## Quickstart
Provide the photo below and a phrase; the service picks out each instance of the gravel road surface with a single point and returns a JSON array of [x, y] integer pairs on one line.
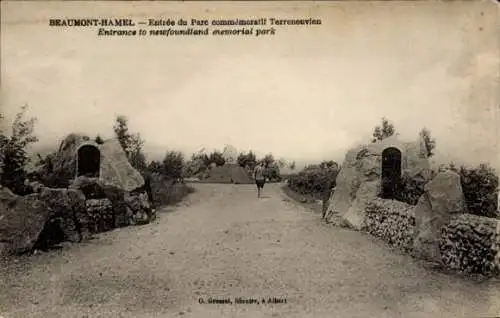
[[224, 243]]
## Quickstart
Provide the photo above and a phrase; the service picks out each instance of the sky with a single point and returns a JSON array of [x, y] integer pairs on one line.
[[307, 93]]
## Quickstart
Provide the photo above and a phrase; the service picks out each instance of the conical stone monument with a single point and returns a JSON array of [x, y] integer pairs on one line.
[[230, 154]]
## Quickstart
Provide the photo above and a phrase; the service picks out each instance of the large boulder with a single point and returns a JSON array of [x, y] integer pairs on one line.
[[22, 219], [363, 164], [116, 170], [445, 193], [348, 182], [426, 241], [442, 199], [355, 216], [67, 208]]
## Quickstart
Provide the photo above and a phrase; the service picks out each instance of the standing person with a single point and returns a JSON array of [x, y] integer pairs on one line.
[[258, 175]]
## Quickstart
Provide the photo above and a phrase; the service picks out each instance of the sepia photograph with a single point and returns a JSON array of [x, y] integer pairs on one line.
[[250, 159]]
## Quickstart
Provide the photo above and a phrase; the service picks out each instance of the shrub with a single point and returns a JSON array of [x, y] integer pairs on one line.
[[314, 181], [282, 163], [166, 191], [272, 173], [385, 130], [14, 154], [410, 189], [172, 166], [201, 157], [480, 188], [138, 160], [311, 167], [217, 158], [131, 143], [194, 168], [44, 172], [430, 143], [268, 160], [155, 167], [247, 160], [328, 165], [98, 139]]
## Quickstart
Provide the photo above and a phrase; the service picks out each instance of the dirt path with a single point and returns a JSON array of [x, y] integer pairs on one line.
[[223, 242]]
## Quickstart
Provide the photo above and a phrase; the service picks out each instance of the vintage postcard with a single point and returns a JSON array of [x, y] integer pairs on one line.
[[249, 159]]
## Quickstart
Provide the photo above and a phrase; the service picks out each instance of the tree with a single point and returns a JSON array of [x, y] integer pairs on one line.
[[155, 167], [268, 160], [199, 163], [201, 156], [121, 131], [480, 189], [247, 159], [292, 165], [272, 172], [241, 160], [312, 167], [217, 158], [330, 164], [385, 130], [430, 143], [282, 163], [131, 143], [14, 151], [138, 160], [173, 163], [99, 140], [251, 159]]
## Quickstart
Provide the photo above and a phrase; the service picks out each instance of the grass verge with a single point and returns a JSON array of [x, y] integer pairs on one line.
[[305, 200]]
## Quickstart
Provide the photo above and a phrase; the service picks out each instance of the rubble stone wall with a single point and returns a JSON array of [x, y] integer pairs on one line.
[[471, 243], [100, 215], [468, 243], [392, 221]]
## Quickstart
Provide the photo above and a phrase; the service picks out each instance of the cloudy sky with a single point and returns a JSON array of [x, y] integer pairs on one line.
[[306, 93]]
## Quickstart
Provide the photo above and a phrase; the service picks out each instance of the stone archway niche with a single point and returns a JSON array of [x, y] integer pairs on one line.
[[391, 172], [88, 161]]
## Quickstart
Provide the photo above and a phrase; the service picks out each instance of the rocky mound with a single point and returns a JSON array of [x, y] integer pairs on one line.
[[22, 219], [84, 188], [360, 178], [230, 173], [112, 164]]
